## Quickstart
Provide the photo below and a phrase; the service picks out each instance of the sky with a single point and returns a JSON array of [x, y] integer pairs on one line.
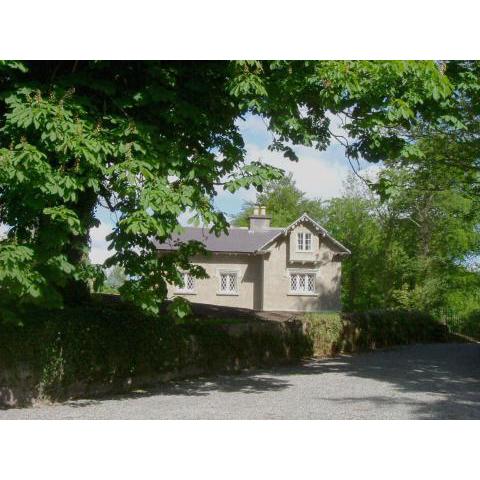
[[318, 174]]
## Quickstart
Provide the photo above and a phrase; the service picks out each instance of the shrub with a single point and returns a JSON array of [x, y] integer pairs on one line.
[[348, 332], [384, 328], [469, 325], [326, 331], [111, 343], [107, 343]]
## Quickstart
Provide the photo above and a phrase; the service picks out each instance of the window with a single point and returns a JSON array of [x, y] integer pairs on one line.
[[302, 283], [228, 283], [299, 241], [304, 241], [188, 283], [308, 241]]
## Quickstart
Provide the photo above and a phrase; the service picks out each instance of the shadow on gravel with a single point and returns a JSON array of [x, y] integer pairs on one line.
[[248, 383], [448, 376], [450, 372]]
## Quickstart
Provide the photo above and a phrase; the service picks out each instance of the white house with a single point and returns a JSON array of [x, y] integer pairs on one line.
[[296, 268]]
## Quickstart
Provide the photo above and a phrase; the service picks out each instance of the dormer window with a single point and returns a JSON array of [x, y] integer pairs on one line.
[[304, 242]]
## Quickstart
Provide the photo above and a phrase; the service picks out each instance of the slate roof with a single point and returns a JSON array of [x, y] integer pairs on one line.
[[243, 240], [239, 240]]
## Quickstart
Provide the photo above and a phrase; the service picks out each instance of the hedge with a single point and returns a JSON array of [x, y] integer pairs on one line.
[[112, 343], [333, 333], [468, 325], [98, 344]]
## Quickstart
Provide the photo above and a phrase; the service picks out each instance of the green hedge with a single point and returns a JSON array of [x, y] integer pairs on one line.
[[332, 333], [109, 343], [468, 325]]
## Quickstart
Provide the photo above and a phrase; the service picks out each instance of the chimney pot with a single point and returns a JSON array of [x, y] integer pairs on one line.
[[259, 220]]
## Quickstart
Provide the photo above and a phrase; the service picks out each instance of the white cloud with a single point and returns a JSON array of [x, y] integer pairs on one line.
[[98, 255], [184, 218], [371, 172], [317, 173], [337, 121], [98, 251]]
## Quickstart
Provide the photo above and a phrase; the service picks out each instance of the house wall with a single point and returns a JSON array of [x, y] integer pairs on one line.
[[298, 255], [249, 281], [264, 280], [277, 267]]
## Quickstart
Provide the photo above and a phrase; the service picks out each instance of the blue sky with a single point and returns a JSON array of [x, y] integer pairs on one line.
[[318, 174]]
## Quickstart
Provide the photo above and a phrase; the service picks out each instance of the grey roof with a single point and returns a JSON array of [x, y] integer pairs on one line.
[[239, 240], [243, 240]]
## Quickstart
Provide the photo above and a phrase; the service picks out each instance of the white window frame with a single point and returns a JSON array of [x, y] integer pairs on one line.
[[305, 291], [299, 241], [185, 290], [302, 242], [228, 292]]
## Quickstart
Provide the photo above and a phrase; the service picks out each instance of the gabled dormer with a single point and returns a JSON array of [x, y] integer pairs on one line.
[[309, 242]]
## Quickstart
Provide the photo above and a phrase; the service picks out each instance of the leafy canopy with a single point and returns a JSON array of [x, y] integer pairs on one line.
[[149, 140], [411, 247]]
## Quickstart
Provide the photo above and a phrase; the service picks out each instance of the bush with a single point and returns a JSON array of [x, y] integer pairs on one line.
[[326, 331], [108, 343], [349, 332], [114, 345], [384, 328], [469, 325]]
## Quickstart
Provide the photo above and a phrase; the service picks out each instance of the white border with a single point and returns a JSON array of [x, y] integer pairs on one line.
[[310, 250], [216, 29], [207, 450], [185, 291]]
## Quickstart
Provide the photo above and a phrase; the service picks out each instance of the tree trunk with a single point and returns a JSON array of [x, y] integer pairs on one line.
[[78, 291]]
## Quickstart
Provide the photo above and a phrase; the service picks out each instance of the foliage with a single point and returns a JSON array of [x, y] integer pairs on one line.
[[451, 144], [114, 345], [332, 333], [469, 325], [353, 220], [107, 342], [325, 329], [284, 201], [411, 238], [114, 278], [384, 328], [150, 140]]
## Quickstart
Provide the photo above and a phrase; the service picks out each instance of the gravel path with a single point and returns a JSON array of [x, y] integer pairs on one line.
[[414, 382]]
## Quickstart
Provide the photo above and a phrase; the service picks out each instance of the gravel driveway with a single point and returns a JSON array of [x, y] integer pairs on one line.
[[439, 381]]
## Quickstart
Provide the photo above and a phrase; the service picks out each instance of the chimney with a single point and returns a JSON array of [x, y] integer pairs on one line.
[[259, 220]]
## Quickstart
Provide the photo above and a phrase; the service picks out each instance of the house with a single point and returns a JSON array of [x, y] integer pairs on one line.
[[297, 268]]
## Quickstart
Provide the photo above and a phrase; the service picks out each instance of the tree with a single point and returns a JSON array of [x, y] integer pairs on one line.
[[436, 222], [115, 278], [283, 201], [411, 238], [353, 219], [150, 139]]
